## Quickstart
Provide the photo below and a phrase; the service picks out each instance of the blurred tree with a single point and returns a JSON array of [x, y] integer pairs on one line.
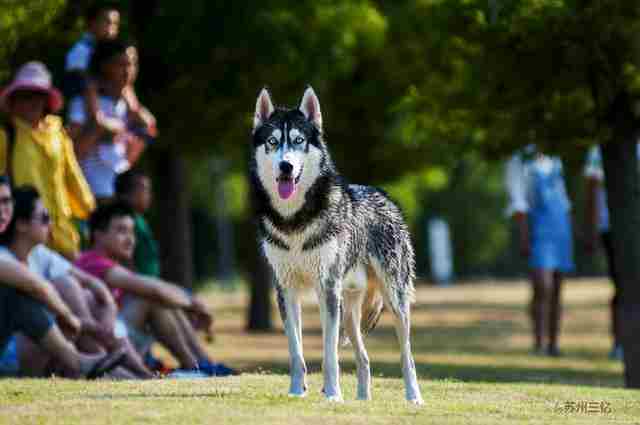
[[564, 74]]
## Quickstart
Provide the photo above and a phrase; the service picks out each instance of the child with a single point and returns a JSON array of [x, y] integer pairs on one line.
[[104, 152], [539, 203], [134, 188]]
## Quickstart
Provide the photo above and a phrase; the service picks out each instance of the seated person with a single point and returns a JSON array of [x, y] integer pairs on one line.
[[23, 240], [31, 306], [151, 308]]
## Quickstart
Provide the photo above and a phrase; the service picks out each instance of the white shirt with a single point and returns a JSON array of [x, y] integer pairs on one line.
[[518, 179], [42, 261], [109, 156], [593, 169]]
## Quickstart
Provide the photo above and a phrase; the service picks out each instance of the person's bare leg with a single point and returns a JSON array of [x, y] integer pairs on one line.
[[542, 282], [138, 313], [191, 336], [555, 312], [133, 361], [32, 358], [169, 333], [534, 310], [65, 353], [79, 302]]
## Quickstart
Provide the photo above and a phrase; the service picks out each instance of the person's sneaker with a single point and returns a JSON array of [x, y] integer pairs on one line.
[[617, 353], [216, 369], [187, 374]]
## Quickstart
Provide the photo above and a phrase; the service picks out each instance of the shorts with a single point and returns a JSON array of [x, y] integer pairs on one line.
[[141, 339]]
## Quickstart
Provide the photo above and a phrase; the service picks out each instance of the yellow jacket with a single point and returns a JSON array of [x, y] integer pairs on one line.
[[45, 159]]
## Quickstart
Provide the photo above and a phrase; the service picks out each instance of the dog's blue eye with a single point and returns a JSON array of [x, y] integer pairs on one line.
[[298, 140], [272, 141]]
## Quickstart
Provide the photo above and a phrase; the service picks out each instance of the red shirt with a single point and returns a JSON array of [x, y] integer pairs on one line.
[[97, 264]]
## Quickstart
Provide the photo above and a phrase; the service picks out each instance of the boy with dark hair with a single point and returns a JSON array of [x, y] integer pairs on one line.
[[150, 308], [103, 23], [134, 188]]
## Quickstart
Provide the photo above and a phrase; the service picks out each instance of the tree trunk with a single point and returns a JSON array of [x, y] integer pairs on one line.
[[260, 282], [623, 193], [174, 230]]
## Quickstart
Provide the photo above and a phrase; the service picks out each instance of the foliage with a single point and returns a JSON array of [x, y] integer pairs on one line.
[[516, 72], [407, 88]]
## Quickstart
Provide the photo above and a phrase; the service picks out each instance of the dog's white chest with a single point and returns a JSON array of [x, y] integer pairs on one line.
[[296, 267]]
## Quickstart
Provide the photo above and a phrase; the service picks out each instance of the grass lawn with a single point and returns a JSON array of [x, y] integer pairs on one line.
[[471, 346]]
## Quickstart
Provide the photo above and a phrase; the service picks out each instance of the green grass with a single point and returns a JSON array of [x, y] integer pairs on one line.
[[471, 346]]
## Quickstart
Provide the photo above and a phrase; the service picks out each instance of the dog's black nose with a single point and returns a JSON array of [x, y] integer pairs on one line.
[[286, 167]]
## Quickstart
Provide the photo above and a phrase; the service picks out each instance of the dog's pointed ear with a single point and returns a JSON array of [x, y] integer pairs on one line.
[[310, 107], [264, 108]]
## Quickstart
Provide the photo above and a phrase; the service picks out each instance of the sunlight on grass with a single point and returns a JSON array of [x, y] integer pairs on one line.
[[471, 345]]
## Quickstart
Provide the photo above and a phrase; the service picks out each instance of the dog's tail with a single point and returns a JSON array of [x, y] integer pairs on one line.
[[372, 307], [373, 303]]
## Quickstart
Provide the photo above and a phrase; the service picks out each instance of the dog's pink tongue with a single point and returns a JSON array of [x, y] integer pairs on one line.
[[285, 188]]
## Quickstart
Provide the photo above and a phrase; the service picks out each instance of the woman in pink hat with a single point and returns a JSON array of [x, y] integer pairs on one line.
[[35, 150]]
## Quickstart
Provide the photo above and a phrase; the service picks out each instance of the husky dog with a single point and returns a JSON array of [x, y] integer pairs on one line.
[[348, 242]]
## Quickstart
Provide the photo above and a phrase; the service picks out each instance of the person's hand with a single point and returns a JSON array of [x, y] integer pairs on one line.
[[69, 324], [110, 124], [200, 316]]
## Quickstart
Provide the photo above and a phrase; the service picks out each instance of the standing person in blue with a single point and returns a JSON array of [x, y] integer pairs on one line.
[[540, 206], [599, 230]]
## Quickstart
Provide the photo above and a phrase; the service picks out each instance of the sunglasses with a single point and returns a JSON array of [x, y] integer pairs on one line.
[[43, 218]]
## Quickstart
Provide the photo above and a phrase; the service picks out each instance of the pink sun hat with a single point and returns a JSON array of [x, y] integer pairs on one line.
[[33, 76]]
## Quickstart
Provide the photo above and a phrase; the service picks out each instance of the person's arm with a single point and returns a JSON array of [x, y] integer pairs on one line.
[[518, 205], [108, 307], [18, 276], [97, 287], [522, 222], [148, 287], [84, 137], [135, 147], [594, 177], [137, 111]]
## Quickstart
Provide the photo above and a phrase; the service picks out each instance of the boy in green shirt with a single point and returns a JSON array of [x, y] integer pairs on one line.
[[134, 187]]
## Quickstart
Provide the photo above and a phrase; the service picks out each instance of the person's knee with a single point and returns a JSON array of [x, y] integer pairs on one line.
[[68, 285], [30, 316]]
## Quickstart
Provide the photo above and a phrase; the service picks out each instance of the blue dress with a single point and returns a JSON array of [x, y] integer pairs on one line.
[[536, 185]]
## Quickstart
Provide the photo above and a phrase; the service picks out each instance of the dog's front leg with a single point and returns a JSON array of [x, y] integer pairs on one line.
[[292, 313], [329, 297]]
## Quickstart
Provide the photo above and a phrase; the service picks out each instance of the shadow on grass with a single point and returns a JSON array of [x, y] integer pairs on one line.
[[477, 337], [216, 393], [470, 373]]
